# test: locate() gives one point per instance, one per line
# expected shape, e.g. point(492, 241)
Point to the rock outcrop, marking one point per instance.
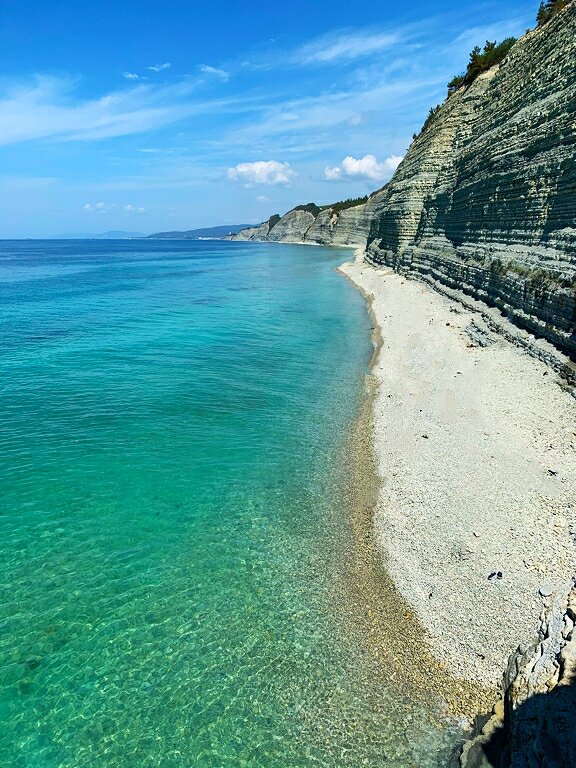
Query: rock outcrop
point(252, 233)
point(533, 727)
point(328, 227)
point(346, 227)
point(292, 227)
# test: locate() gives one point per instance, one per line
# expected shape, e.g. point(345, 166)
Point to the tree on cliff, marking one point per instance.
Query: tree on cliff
point(549, 9)
point(481, 60)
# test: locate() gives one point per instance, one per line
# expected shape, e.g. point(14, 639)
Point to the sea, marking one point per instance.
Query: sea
point(174, 418)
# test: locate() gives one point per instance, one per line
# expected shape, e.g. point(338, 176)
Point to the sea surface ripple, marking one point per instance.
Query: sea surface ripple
point(171, 460)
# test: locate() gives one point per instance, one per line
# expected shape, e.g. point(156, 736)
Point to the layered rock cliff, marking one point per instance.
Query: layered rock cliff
point(328, 227)
point(485, 199)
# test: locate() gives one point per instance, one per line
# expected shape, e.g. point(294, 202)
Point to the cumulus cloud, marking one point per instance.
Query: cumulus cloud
point(262, 172)
point(367, 168)
point(262, 199)
point(332, 174)
point(221, 73)
point(134, 209)
point(131, 76)
point(159, 67)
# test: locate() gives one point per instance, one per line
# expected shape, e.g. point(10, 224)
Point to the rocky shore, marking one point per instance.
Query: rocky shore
point(475, 447)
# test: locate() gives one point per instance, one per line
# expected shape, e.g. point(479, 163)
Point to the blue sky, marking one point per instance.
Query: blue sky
point(151, 116)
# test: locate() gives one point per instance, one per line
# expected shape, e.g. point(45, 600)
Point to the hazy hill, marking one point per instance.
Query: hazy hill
point(219, 232)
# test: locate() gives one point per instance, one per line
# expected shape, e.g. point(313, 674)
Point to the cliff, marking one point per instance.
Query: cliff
point(328, 227)
point(485, 200)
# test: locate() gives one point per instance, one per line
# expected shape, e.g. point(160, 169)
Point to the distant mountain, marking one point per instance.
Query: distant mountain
point(113, 234)
point(195, 234)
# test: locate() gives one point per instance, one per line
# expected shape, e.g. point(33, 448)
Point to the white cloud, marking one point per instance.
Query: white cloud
point(262, 199)
point(332, 174)
point(46, 107)
point(345, 45)
point(111, 207)
point(98, 207)
point(367, 168)
point(131, 76)
point(159, 67)
point(262, 172)
point(221, 73)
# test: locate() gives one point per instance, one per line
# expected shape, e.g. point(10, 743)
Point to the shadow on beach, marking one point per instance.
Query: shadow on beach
point(541, 733)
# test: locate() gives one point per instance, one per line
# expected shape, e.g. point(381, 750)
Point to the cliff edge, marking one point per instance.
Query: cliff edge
point(485, 200)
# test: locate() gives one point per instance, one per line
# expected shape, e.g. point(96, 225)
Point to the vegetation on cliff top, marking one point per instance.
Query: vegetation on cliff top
point(548, 10)
point(494, 53)
point(349, 203)
point(481, 60)
point(341, 205)
point(309, 208)
point(273, 220)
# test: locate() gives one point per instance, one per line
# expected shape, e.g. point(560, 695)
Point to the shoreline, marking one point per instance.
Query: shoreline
point(457, 497)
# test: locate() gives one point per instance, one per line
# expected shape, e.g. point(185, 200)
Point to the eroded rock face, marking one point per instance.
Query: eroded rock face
point(534, 726)
point(485, 200)
point(347, 227)
point(540, 690)
point(252, 233)
point(292, 227)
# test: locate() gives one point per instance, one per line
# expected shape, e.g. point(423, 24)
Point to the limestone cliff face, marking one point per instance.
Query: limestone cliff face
point(347, 227)
point(485, 200)
point(292, 227)
point(252, 233)
point(533, 727)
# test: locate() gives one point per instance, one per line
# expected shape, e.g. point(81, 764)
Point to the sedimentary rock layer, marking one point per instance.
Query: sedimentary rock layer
point(347, 227)
point(485, 200)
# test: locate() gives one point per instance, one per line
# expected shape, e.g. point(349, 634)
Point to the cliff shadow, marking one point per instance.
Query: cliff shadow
point(539, 733)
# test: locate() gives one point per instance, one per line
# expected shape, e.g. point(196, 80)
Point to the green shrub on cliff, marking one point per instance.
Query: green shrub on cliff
point(273, 220)
point(431, 115)
point(481, 60)
point(548, 10)
point(342, 205)
point(309, 208)
point(455, 83)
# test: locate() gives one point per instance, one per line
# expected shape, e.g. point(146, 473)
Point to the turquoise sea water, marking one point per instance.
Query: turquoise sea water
point(173, 418)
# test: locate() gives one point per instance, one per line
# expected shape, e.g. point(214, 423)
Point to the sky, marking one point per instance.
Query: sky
point(148, 116)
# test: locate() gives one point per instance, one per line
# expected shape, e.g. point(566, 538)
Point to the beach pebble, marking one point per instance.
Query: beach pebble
point(546, 590)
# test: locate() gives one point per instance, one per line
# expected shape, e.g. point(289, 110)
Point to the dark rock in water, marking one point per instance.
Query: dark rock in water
point(25, 687)
point(32, 664)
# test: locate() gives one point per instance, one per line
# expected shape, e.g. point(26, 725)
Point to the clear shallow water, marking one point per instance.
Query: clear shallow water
point(173, 419)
